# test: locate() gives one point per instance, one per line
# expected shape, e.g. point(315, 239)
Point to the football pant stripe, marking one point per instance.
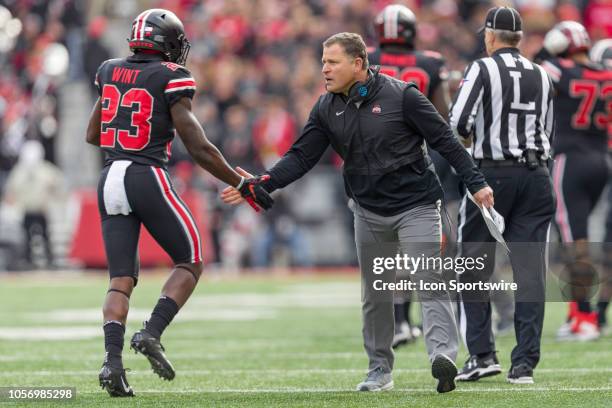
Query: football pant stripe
point(177, 210)
point(189, 220)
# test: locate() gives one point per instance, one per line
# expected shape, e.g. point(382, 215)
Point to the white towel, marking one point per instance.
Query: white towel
point(115, 197)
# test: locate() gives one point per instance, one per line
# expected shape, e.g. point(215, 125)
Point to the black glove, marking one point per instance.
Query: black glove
point(254, 193)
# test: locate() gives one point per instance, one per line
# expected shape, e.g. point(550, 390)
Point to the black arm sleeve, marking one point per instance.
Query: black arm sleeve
point(420, 114)
point(302, 156)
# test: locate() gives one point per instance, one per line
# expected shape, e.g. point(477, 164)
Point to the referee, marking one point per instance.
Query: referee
point(504, 109)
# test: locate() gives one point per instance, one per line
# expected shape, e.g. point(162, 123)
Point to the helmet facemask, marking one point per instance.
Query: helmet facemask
point(185, 47)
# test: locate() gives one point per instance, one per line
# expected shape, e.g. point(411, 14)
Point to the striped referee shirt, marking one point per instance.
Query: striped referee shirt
point(506, 102)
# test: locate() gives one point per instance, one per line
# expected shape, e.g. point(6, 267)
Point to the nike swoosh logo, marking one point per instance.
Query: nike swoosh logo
point(339, 113)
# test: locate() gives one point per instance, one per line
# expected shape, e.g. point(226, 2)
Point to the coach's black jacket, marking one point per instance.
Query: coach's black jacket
point(381, 142)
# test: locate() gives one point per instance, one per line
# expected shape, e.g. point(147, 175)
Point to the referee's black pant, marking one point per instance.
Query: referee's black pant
point(525, 199)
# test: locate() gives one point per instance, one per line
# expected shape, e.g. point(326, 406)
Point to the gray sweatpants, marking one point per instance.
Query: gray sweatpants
point(420, 224)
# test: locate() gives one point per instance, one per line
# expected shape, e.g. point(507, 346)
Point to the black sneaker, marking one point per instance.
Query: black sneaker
point(444, 370)
point(144, 342)
point(521, 374)
point(476, 368)
point(114, 381)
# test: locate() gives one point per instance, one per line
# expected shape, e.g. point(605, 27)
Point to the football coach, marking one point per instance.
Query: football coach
point(379, 125)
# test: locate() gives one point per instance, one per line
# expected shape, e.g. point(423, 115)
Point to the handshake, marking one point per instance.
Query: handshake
point(250, 190)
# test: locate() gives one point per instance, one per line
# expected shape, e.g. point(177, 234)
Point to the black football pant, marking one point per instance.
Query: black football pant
point(155, 204)
point(525, 199)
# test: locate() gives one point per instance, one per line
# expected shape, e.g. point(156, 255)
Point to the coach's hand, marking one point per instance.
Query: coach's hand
point(484, 197)
point(250, 190)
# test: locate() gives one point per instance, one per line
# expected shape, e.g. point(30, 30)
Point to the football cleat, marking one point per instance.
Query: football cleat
point(114, 381)
point(582, 327)
point(143, 342)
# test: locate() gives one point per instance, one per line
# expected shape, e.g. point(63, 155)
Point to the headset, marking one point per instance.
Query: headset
point(359, 91)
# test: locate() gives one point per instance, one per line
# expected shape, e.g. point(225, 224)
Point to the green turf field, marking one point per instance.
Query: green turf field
point(261, 341)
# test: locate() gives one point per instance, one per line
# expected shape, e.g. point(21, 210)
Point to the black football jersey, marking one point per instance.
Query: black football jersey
point(583, 105)
point(136, 94)
point(425, 68)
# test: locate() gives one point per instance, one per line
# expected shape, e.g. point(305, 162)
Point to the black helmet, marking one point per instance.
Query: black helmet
point(160, 30)
point(396, 24)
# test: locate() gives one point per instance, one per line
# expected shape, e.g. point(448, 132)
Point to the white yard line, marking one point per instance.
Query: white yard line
point(206, 356)
point(276, 371)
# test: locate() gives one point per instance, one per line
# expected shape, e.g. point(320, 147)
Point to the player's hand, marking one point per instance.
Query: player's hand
point(248, 190)
point(555, 42)
point(230, 195)
point(484, 197)
point(254, 193)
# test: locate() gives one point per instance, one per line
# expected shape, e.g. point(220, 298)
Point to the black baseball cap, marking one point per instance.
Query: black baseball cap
point(503, 18)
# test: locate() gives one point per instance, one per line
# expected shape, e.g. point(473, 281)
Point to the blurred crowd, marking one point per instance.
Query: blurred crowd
point(256, 63)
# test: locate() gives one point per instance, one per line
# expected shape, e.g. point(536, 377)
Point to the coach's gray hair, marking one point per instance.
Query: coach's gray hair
point(512, 38)
point(353, 45)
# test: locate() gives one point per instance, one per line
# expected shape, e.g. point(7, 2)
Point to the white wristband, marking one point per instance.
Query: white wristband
point(241, 183)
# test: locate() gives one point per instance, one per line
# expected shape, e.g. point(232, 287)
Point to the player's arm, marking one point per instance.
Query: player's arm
point(211, 159)
point(200, 148)
point(298, 160)
point(441, 98)
point(93, 128)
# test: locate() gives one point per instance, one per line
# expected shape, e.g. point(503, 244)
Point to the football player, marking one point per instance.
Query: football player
point(397, 57)
point(580, 170)
point(142, 100)
point(602, 54)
